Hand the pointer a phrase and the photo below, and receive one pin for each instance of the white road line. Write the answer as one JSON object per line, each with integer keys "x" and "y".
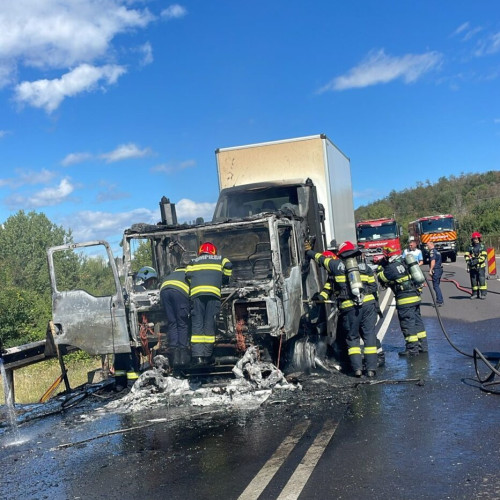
{"x": 296, "y": 483}
{"x": 387, "y": 317}
{"x": 261, "y": 480}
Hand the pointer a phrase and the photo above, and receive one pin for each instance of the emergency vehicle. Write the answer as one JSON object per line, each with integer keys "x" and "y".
{"x": 441, "y": 230}
{"x": 375, "y": 234}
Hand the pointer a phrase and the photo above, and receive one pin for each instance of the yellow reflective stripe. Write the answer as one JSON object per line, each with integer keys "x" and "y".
{"x": 370, "y": 350}
{"x": 367, "y": 279}
{"x": 132, "y": 375}
{"x": 369, "y": 297}
{"x": 324, "y": 295}
{"x": 227, "y": 272}
{"x": 120, "y": 373}
{"x": 354, "y": 350}
{"x": 203, "y": 339}
{"x": 205, "y": 267}
{"x": 205, "y": 289}
{"x": 327, "y": 286}
{"x": 412, "y": 338}
{"x": 483, "y": 287}
{"x": 341, "y": 278}
{"x": 403, "y": 278}
{"x": 407, "y": 300}
{"x": 422, "y": 335}
{"x": 381, "y": 276}
{"x": 225, "y": 261}
{"x": 346, "y": 303}
{"x": 176, "y": 283}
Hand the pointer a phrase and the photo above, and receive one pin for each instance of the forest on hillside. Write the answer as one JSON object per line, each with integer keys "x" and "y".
{"x": 474, "y": 200}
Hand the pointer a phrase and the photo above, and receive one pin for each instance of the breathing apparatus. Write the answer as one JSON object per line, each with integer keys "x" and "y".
{"x": 348, "y": 253}
{"x": 416, "y": 273}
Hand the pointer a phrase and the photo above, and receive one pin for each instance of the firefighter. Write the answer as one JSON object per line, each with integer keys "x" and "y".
{"x": 174, "y": 295}
{"x": 476, "y": 258}
{"x": 436, "y": 271}
{"x": 205, "y": 275}
{"x": 145, "y": 279}
{"x": 125, "y": 370}
{"x": 393, "y": 272}
{"x": 357, "y": 309}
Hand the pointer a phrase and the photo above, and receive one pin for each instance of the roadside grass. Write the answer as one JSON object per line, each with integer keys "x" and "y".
{"x": 31, "y": 382}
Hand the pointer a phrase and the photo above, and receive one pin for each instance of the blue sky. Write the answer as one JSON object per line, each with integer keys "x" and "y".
{"x": 107, "y": 105}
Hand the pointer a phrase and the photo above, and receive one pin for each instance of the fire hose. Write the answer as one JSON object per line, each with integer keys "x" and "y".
{"x": 488, "y": 384}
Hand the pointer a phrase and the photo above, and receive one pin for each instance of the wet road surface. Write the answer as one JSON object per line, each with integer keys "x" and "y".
{"x": 435, "y": 437}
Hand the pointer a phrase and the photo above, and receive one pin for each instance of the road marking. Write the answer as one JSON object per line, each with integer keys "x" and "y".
{"x": 264, "y": 476}
{"x": 387, "y": 315}
{"x": 296, "y": 483}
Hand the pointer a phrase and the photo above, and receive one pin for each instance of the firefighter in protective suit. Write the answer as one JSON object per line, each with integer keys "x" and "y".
{"x": 476, "y": 258}
{"x": 174, "y": 295}
{"x": 205, "y": 275}
{"x": 356, "y": 304}
{"x": 393, "y": 272}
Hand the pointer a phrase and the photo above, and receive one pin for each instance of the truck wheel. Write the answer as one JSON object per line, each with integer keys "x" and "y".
{"x": 453, "y": 258}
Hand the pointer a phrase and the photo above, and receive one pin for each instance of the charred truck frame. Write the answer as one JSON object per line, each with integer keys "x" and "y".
{"x": 261, "y": 228}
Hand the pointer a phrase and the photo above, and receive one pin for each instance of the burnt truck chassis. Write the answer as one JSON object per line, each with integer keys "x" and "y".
{"x": 265, "y": 303}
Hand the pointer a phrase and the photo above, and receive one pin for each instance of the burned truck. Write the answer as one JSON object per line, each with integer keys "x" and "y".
{"x": 261, "y": 228}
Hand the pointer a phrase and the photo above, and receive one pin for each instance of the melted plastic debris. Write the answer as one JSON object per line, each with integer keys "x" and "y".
{"x": 254, "y": 383}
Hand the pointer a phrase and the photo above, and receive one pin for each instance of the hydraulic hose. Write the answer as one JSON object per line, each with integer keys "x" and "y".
{"x": 477, "y": 355}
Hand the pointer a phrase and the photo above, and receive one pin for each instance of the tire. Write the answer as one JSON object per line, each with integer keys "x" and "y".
{"x": 453, "y": 258}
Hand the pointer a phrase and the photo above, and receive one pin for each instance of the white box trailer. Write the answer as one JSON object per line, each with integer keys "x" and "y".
{"x": 315, "y": 157}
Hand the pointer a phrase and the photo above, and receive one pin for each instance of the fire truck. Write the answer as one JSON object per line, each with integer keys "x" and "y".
{"x": 374, "y": 234}
{"x": 441, "y": 230}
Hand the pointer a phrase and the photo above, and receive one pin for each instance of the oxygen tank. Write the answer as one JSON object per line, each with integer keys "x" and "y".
{"x": 354, "y": 278}
{"x": 416, "y": 273}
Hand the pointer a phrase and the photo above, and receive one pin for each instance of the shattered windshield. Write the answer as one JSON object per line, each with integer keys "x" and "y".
{"x": 436, "y": 225}
{"x": 383, "y": 232}
{"x": 247, "y": 246}
{"x": 239, "y": 204}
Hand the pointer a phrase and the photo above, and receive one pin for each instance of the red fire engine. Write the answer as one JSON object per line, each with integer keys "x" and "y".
{"x": 374, "y": 234}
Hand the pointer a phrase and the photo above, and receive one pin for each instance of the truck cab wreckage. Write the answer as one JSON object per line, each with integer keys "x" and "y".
{"x": 260, "y": 227}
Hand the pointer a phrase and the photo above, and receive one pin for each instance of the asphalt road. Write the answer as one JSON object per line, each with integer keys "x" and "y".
{"x": 425, "y": 431}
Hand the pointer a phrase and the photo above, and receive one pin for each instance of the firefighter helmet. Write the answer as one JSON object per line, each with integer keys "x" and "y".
{"x": 389, "y": 251}
{"x": 207, "y": 247}
{"x": 475, "y": 234}
{"x": 348, "y": 249}
{"x": 329, "y": 253}
{"x": 146, "y": 273}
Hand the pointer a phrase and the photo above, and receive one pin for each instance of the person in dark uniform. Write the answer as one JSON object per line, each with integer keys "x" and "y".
{"x": 436, "y": 271}
{"x": 205, "y": 276}
{"x": 394, "y": 273}
{"x": 174, "y": 295}
{"x": 476, "y": 258}
{"x": 356, "y": 320}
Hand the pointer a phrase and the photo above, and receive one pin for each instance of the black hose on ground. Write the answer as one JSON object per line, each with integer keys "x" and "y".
{"x": 488, "y": 382}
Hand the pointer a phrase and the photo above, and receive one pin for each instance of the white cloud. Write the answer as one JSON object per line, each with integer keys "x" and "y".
{"x": 380, "y": 68}
{"x": 52, "y": 196}
{"x": 146, "y": 52}
{"x": 190, "y": 210}
{"x": 466, "y": 31}
{"x": 3, "y": 133}
{"x": 74, "y": 158}
{"x": 489, "y": 45}
{"x": 88, "y": 225}
{"x": 463, "y": 27}
{"x": 28, "y": 177}
{"x": 49, "y": 94}
{"x": 173, "y": 167}
{"x": 174, "y": 11}
{"x": 44, "y": 198}
{"x": 125, "y": 152}
{"x": 54, "y": 34}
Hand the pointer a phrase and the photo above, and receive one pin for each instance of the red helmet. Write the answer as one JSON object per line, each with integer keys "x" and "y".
{"x": 390, "y": 251}
{"x": 348, "y": 249}
{"x": 329, "y": 253}
{"x": 475, "y": 234}
{"x": 207, "y": 247}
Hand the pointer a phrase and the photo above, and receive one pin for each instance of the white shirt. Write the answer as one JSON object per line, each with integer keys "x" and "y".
{"x": 417, "y": 253}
